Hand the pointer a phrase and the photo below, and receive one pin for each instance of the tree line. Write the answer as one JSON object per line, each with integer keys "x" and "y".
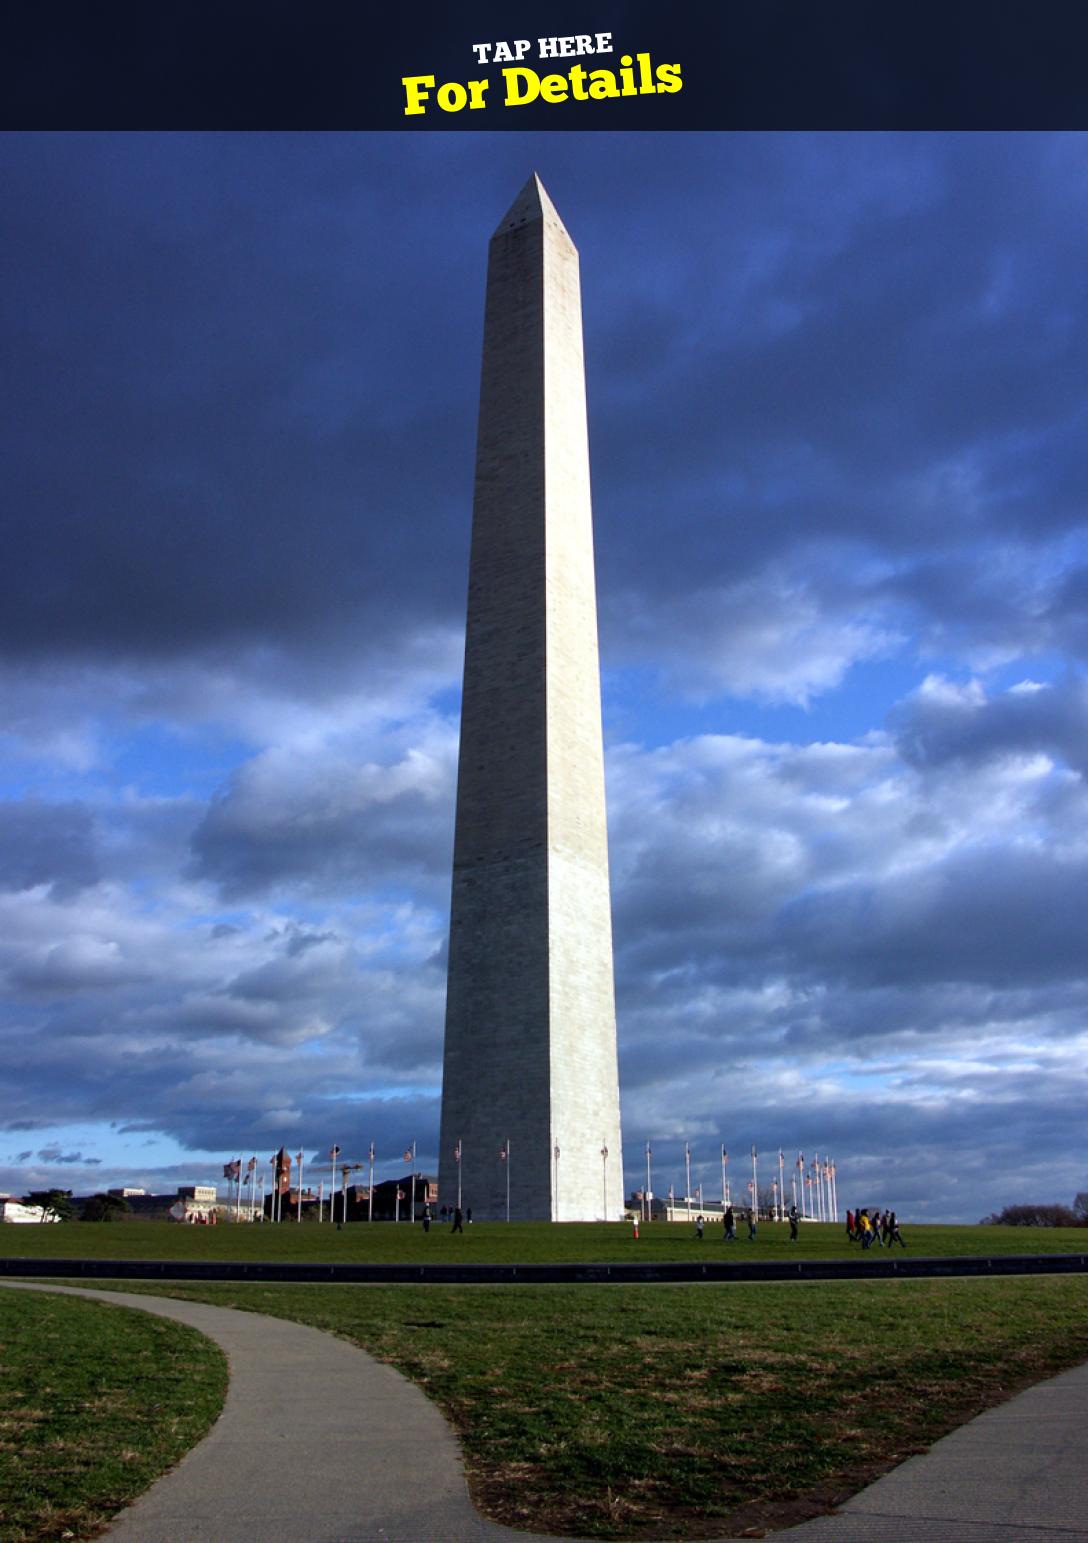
{"x": 1075, "y": 1215}
{"x": 57, "y": 1205}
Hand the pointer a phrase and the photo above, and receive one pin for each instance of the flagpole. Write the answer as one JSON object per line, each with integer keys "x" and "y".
{"x": 781, "y": 1183}
{"x": 649, "y": 1180}
{"x": 755, "y": 1183}
{"x": 262, "y": 1196}
{"x": 725, "y": 1159}
{"x": 412, "y": 1201}
{"x": 370, "y": 1194}
{"x": 298, "y": 1218}
{"x": 687, "y": 1178}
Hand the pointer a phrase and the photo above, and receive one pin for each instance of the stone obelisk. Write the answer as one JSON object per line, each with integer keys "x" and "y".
{"x": 530, "y": 1054}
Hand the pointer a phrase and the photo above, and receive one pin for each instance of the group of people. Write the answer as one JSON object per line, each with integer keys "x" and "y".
{"x": 453, "y": 1213}
{"x": 729, "y": 1225}
{"x": 862, "y": 1226}
{"x": 880, "y": 1228}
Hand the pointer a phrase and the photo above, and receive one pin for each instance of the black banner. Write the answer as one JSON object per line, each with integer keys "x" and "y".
{"x": 737, "y": 64}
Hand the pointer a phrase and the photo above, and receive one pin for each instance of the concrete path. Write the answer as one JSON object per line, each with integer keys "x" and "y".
{"x": 319, "y": 1443}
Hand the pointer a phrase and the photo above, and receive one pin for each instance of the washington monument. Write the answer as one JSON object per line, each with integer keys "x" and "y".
{"x": 530, "y": 1095}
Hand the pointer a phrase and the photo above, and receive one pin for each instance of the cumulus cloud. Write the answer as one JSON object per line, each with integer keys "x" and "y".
{"x": 772, "y": 637}
{"x": 326, "y": 815}
{"x": 947, "y": 721}
{"x": 47, "y": 844}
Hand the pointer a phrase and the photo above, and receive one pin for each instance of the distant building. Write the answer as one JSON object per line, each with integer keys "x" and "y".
{"x": 681, "y": 1208}
{"x": 189, "y": 1203}
{"x": 16, "y": 1211}
{"x": 385, "y": 1197}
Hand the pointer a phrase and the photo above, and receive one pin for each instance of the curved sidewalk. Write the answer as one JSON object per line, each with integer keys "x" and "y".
{"x": 320, "y": 1443}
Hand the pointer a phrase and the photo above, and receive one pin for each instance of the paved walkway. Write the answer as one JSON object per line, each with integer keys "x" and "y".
{"x": 319, "y": 1443}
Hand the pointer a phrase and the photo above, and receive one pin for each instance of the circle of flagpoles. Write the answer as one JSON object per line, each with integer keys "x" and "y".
{"x": 812, "y": 1189}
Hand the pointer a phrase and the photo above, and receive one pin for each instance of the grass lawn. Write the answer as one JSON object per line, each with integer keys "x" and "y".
{"x": 95, "y": 1403}
{"x": 494, "y": 1242}
{"x": 693, "y": 1411}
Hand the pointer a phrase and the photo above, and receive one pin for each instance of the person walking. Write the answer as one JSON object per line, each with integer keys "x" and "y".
{"x": 851, "y": 1227}
{"x": 793, "y": 1219}
{"x": 458, "y": 1221}
{"x": 426, "y": 1218}
{"x": 752, "y": 1216}
{"x": 700, "y": 1223}
{"x": 894, "y": 1234}
{"x": 634, "y": 1221}
{"x": 729, "y": 1223}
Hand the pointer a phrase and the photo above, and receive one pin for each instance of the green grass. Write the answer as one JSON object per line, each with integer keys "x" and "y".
{"x": 494, "y": 1242}
{"x": 693, "y": 1411}
{"x": 95, "y": 1402}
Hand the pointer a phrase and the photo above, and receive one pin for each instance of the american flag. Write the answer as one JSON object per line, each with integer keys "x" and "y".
{"x": 502, "y": 1154}
{"x": 233, "y": 1169}
{"x": 334, "y": 1153}
{"x": 251, "y": 1165}
{"x": 408, "y": 1155}
{"x": 457, "y": 1153}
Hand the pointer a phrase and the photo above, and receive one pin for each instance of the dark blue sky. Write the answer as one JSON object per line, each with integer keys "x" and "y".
{"x": 838, "y": 424}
